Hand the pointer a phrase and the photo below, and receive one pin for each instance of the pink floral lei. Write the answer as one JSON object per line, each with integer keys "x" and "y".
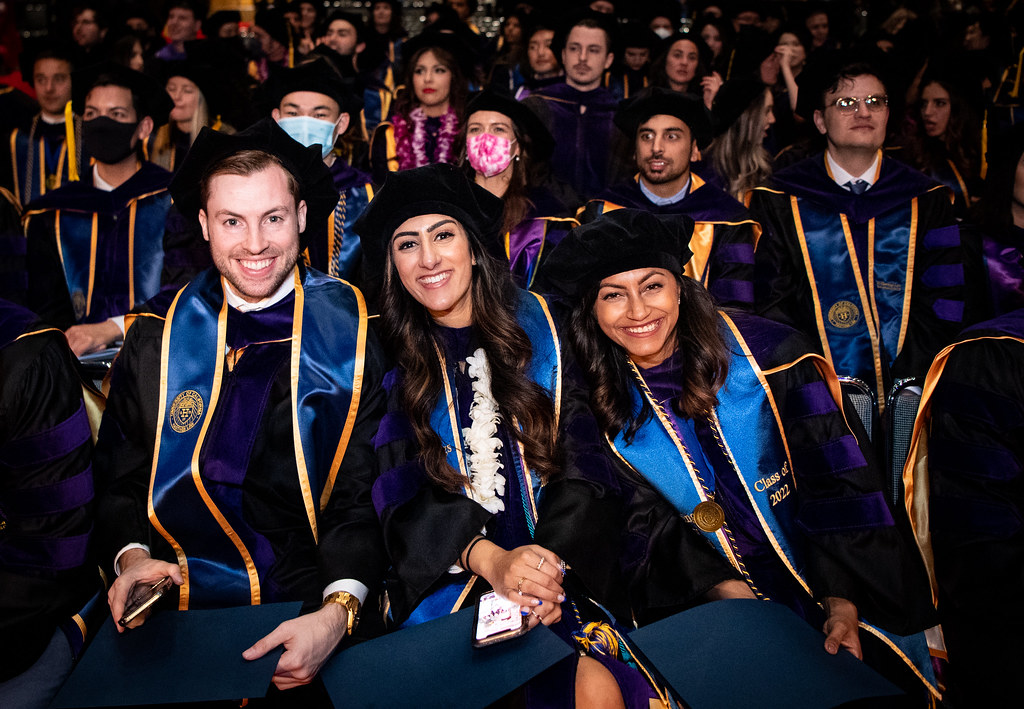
{"x": 412, "y": 150}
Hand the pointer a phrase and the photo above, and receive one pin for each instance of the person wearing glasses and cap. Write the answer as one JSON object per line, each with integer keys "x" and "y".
{"x": 859, "y": 251}
{"x": 95, "y": 245}
{"x": 263, "y": 371}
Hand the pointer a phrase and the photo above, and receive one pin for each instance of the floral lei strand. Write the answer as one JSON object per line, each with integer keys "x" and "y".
{"x": 487, "y": 485}
{"x": 412, "y": 150}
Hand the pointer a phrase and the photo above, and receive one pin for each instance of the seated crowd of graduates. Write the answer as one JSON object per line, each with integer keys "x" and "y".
{"x": 577, "y": 313}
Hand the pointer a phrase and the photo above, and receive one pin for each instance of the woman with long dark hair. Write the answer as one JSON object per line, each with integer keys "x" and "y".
{"x": 505, "y": 151}
{"x": 682, "y": 65}
{"x": 477, "y": 408}
{"x": 427, "y": 112}
{"x": 946, "y": 141}
{"x": 727, "y": 425}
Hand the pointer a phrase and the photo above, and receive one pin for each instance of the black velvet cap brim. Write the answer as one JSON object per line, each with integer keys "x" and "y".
{"x": 656, "y": 101}
{"x": 317, "y": 76}
{"x": 432, "y": 189}
{"x": 316, "y": 185}
{"x": 153, "y": 99}
{"x": 616, "y": 242}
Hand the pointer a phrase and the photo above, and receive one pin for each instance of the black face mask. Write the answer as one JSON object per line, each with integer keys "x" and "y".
{"x": 108, "y": 140}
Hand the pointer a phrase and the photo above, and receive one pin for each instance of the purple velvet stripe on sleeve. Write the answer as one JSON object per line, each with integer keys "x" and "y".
{"x": 736, "y": 253}
{"x": 398, "y": 485}
{"x": 61, "y": 496}
{"x": 956, "y": 518}
{"x": 845, "y": 514}
{"x": 727, "y": 289}
{"x": 811, "y": 399}
{"x": 944, "y": 276}
{"x": 43, "y": 553}
{"x": 831, "y": 458}
{"x": 48, "y": 445}
{"x": 394, "y": 426}
{"x": 949, "y": 310}
{"x": 946, "y": 237}
{"x": 976, "y": 461}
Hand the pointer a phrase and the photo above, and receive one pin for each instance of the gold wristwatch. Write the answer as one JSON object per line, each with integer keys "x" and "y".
{"x": 351, "y": 604}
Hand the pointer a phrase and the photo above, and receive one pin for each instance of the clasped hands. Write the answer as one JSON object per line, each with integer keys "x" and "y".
{"x": 308, "y": 640}
{"x": 531, "y": 575}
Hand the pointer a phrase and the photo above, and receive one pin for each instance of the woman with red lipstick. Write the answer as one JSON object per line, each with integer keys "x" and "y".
{"x": 489, "y": 467}
{"x": 946, "y": 143}
{"x": 427, "y": 113}
{"x": 728, "y": 426}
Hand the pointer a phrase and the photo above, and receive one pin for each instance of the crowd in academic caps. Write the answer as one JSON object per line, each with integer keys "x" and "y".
{"x": 616, "y": 312}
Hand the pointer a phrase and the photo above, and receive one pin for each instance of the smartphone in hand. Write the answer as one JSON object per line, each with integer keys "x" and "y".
{"x": 497, "y": 619}
{"x": 143, "y": 597}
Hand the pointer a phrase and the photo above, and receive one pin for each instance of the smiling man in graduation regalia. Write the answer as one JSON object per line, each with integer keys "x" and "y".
{"x": 261, "y": 388}
{"x": 859, "y": 251}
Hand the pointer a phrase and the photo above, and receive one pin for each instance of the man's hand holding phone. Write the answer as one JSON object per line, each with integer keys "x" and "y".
{"x": 139, "y": 574}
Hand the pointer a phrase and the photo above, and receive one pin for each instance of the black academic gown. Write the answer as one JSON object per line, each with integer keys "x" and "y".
{"x": 47, "y": 571}
{"x": 247, "y": 461}
{"x": 931, "y": 266}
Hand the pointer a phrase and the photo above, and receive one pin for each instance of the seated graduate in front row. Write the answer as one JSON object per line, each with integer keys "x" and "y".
{"x": 727, "y": 424}
{"x": 475, "y": 493}
{"x": 261, "y": 386}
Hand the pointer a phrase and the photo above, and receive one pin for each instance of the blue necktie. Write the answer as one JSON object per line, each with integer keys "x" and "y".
{"x": 857, "y": 186}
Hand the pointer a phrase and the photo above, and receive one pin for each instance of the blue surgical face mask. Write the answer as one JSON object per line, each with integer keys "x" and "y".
{"x": 310, "y": 131}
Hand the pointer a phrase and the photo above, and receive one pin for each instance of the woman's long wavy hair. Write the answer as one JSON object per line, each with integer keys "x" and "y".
{"x": 705, "y": 361}
{"x": 961, "y": 141}
{"x": 411, "y": 333}
{"x": 738, "y": 154}
{"x": 164, "y": 141}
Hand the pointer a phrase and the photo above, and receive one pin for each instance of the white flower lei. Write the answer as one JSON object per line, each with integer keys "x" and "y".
{"x": 486, "y": 484}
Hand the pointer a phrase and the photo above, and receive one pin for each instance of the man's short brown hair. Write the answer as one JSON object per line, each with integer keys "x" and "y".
{"x": 243, "y": 164}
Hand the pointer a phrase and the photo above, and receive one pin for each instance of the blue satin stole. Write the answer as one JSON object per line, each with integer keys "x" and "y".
{"x": 544, "y": 369}
{"x": 748, "y": 425}
{"x": 327, "y": 355}
{"x": 861, "y": 309}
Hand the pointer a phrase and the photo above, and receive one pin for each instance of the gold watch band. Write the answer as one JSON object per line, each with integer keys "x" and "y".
{"x": 351, "y": 604}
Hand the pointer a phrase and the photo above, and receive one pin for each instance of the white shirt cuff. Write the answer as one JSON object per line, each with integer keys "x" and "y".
{"x": 354, "y": 587}
{"x": 126, "y": 547}
{"x": 119, "y": 321}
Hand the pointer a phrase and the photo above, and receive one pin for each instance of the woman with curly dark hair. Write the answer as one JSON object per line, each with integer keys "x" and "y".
{"x": 427, "y": 112}
{"x": 477, "y": 407}
{"x": 722, "y": 422}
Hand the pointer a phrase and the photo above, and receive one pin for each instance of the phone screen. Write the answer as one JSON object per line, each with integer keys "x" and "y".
{"x": 496, "y": 615}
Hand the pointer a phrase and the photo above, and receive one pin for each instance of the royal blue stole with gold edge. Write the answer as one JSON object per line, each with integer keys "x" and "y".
{"x": 856, "y": 320}
{"x": 545, "y": 370}
{"x": 749, "y": 427}
{"x": 327, "y": 354}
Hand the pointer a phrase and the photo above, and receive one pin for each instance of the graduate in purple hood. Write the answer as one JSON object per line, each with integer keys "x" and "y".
{"x": 668, "y": 129}
{"x": 859, "y": 251}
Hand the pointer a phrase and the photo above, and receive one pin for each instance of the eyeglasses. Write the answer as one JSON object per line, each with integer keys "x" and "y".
{"x": 848, "y": 104}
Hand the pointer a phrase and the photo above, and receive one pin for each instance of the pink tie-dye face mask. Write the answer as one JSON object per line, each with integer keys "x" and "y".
{"x": 489, "y": 154}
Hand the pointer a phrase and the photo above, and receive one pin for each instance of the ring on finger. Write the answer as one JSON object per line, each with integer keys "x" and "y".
{"x": 540, "y": 563}
{"x": 519, "y": 586}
